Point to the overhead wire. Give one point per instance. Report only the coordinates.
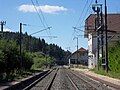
(86, 12)
(33, 25)
(7, 27)
(39, 31)
(43, 17)
(71, 38)
(82, 12)
(42, 13)
(38, 14)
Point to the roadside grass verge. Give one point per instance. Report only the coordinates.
(109, 73)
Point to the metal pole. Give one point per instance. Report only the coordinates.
(77, 51)
(1, 26)
(106, 53)
(98, 38)
(20, 45)
(102, 40)
(2, 23)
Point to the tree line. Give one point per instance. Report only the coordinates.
(34, 44)
(35, 53)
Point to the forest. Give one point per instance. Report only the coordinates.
(35, 53)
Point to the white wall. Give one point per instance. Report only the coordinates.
(91, 48)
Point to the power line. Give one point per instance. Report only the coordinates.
(40, 16)
(38, 13)
(49, 36)
(33, 25)
(69, 43)
(86, 12)
(42, 13)
(8, 27)
(40, 31)
(49, 33)
(82, 12)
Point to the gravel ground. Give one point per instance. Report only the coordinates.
(62, 82)
(43, 83)
(100, 86)
(80, 83)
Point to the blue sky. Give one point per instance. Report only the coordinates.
(61, 15)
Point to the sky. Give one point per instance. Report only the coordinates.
(60, 15)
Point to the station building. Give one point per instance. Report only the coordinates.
(113, 26)
(79, 57)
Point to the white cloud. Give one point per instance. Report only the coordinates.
(6, 30)
(45, 8)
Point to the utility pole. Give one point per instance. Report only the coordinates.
(98, 41)
(2, 23)
(102, 39)
(98, 27)
(106, 50)
(77, 51)
(20, 45)
(75, 28)
(76, 62)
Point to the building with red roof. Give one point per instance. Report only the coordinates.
(79, 57)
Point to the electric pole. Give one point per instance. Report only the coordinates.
(77, 51)
(21, 63)
(76, 62)
(75, 28)
(98, 27)
(106, 50)
(20, 45)
(2, 23)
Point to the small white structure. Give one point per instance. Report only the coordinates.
(91, 57)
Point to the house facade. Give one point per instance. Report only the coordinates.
(79, 57)
(90, 33)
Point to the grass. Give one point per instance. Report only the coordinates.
(22, 74)
(82, 67)
(79, 66)
(109, 73)
(34, 69)
(25, 74)
(18, 75)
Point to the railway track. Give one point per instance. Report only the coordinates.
(54, 80)
(44, 83)
(62, 82)
(65, 79)
(88, 83)
(79, 83)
